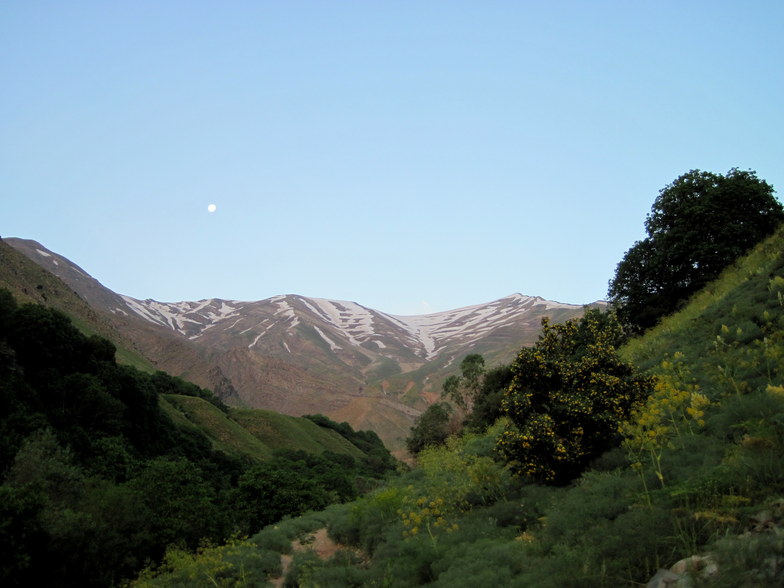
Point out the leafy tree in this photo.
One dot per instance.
(568, 396)
(431, 428)
(488, 402)
(180, 503)
(464, 389)
(698, 225)
(47, 345)
(478, 391)
(21, 534)
(268, 492)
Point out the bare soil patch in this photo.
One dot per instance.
(318, 542)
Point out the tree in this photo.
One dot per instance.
(568, 396)
(267, 492)
(181, 505)
(488, 403)
(478, 391)
(431, 428)
(464, 389)
(698, 225)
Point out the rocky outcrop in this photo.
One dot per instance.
(682, 574)
(690, 571)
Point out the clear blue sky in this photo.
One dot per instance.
(411, 156)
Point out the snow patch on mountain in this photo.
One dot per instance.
(332, 345)
(184, 316)
(472, 322)
(286, 310)
(342, 323)
(256, 340)
(354, 321)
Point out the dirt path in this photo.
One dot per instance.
(318, 542)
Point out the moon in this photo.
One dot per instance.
(212, 208)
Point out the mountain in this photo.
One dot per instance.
(300, 355)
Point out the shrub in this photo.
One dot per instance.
(569, 394)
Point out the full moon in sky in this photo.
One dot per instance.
(212, 208)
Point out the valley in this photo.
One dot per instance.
(302, 355)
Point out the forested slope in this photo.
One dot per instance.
(104, 466)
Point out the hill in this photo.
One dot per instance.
(102, 465)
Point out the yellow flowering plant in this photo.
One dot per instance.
(675, 408)
(569, 394)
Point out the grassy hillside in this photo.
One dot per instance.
(279, 431)
(29, 282)
(739, 309)
(254, 434)
(699, 475)
(226, 435)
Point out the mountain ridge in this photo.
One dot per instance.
(299, 355)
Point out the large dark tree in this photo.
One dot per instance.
(568, 396)
(431, 428)
(698, 225)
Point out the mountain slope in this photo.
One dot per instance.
(254, 434)
(299, 355)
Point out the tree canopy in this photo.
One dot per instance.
(97, 479)
(698, 225)
(431, 428)
(463, 390)
(568, 395)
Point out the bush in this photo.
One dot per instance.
(569, 394)
(431, 428)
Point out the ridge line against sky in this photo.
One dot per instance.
(413, 157)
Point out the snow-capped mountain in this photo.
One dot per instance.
(341, 325)
(300, 355)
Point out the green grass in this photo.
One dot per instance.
(123, 355)
(29, 282)
(226, 435)
(742, 293)
(279, 431)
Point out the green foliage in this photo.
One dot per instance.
(431, 428)
(569, 394)
(477, 391)
(181, 503)
(674, 409)
(280, 431)
(750, 560)
(292, 484)
(167, 384)
(488, 407)
(464, 389)
(376, 456)
(455, 479)
(236, 563)
(698, 225)
(202, 418)
(98, 480)
(364, 522)
(22, 536)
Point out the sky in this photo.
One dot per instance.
(411, 156)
